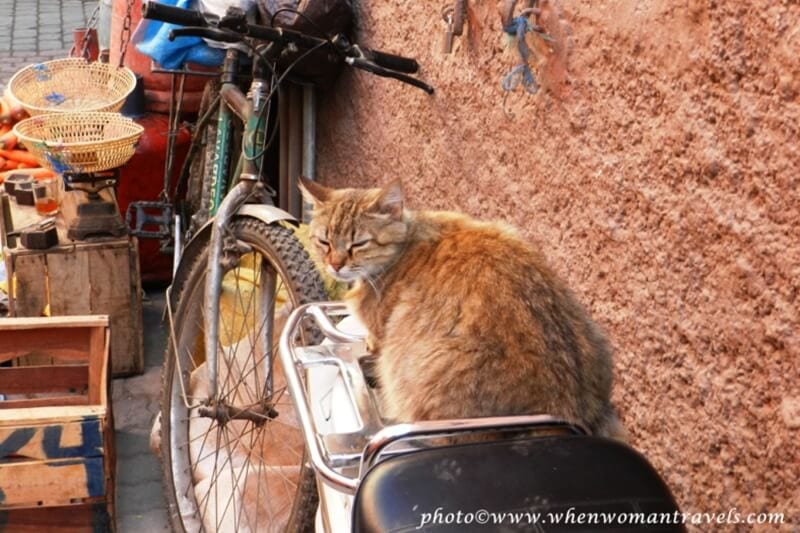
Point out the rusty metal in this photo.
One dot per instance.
(126, 32)
(447, 43)
(224, 413)
(459, 14)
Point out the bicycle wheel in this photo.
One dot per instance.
(240, 464)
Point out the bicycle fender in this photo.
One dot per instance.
(269, 214)
(266, 213)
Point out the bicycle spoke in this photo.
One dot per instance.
(237, 474)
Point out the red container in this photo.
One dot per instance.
(89, 37)
(156, 86)
(142, 178)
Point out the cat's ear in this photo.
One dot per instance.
(313, 192)
(390, 200)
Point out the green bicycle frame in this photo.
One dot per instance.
(222, 174)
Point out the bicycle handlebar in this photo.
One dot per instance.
(206, 33)
(380, 63)
(173, 15)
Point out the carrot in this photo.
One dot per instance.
(37, 173)
(5, 112)
(11, 165)
(27, 165)
(20, 156)
(8, 141)
(2, 163)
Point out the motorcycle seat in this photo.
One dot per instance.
(424, 490)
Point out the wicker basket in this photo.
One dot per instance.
(80, 142)
(70, 85)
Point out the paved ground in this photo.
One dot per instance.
(32, 31)
(140, 500)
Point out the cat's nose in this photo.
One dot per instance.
(336, 265)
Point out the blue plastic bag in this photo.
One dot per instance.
(153, 41)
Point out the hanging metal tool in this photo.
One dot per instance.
(453, 16)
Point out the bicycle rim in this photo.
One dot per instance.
(239, 465)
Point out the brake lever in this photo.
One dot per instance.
(363, 64)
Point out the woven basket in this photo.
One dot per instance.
(80, 142)
(71, 84)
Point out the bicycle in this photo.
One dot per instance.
(227, 424)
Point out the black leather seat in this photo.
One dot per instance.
(544, 475)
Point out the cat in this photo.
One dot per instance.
(466, 318)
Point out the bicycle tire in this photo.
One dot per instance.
(200, 184)
(277, 245)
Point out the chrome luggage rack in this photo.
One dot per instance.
(341, 460)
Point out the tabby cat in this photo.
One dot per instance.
(466, 317)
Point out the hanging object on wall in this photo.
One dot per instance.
(516, 28)
(453, 16)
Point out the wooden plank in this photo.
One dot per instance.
(69, 278)
(30, 292)
(45, 415)
(105, 375)
(110, 293)
(12, 324)
(67, 440)
(97, 353)
(72, 399)
(65, 344)
(136, 342)
(35, 379)
(52, 482)
(82, 518)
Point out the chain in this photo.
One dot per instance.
(126, 33)
(87, 34)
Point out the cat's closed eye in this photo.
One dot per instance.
(360, 243)
(322, 242)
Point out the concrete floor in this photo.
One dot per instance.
(140, 502)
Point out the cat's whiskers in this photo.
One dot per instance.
(372, 282)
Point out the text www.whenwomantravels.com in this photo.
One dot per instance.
(574, 517)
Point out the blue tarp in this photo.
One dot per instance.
(155, 43)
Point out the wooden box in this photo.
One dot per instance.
(79, 278)
(57, 455)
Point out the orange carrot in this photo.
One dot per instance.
(5, 112)
(11, 165)
(27, 165)
(36, 173)
(20, 156)
(2, 163)
(8, 141)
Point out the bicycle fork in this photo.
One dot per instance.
(224, 249)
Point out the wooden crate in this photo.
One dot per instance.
(80, 278)
(57, 457)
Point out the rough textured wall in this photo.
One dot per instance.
(659, 169)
